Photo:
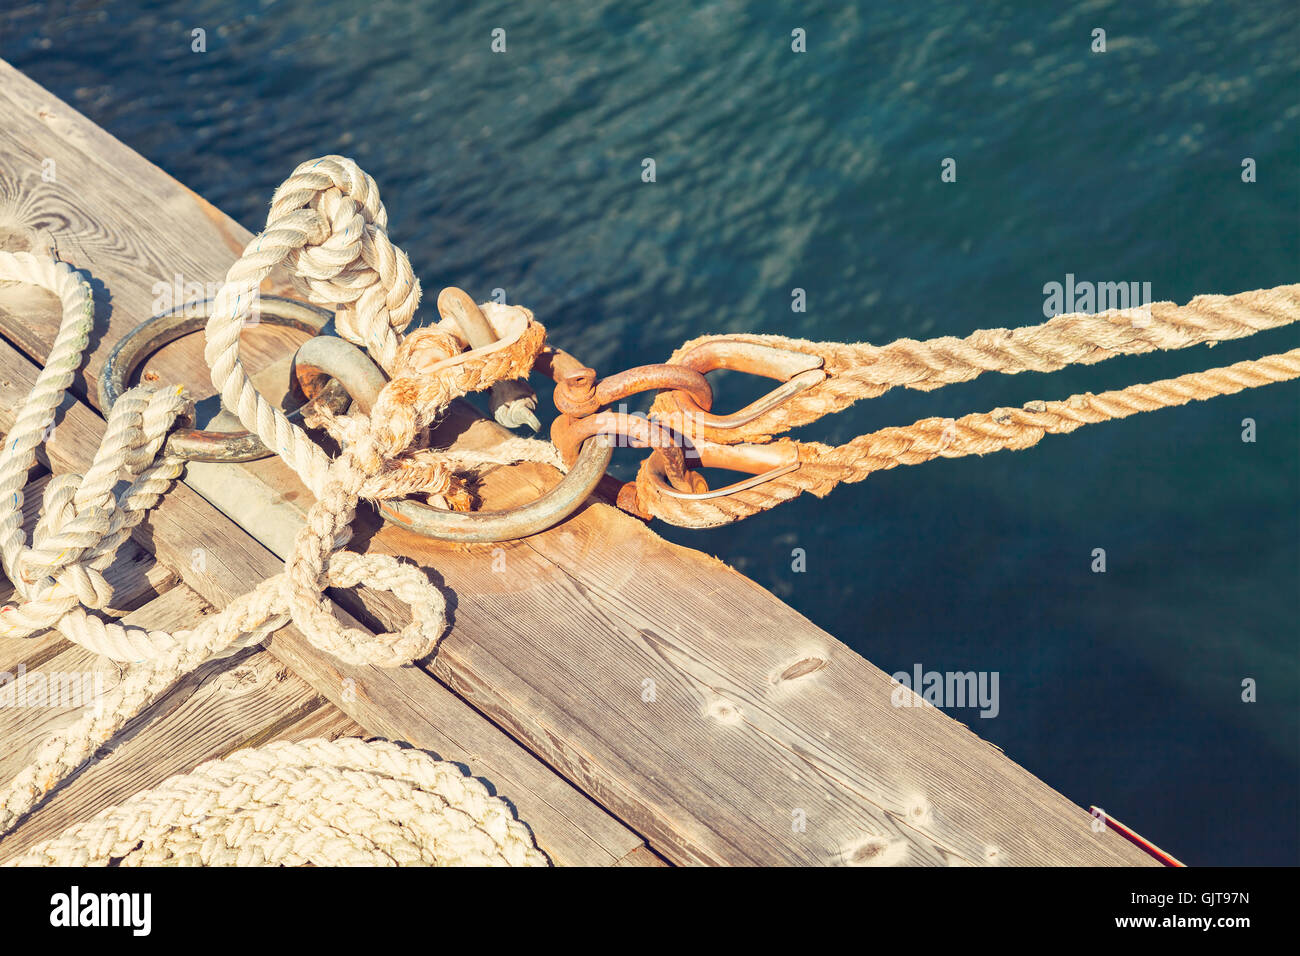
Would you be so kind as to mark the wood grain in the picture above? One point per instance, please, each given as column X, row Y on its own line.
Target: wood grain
column 25, row 726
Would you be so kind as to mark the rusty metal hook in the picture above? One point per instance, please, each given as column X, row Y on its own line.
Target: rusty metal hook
column 763, row 462
column 796, row 371
column 579, row 394
column 584, row 399
column 632, row 431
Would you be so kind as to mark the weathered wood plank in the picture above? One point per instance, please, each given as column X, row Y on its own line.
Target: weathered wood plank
column 218, row 560
column 758, row 718
column 325, row 721
column 641, row 856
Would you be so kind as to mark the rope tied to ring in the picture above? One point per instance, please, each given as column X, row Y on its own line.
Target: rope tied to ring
column 858, row 371
column 328, row 227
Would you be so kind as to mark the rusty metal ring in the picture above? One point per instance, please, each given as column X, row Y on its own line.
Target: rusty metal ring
column 578, row 393
column 341, row 361
column 325, row 359
column 538, row 515
column 762, row 462
column 196, row 444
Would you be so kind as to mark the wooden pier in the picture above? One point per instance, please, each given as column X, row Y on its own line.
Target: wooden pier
column 765, row 740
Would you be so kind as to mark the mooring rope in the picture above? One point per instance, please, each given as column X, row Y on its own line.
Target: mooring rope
column 857, row 371
column 854, row 372
column 823, row 467
column 352, row 801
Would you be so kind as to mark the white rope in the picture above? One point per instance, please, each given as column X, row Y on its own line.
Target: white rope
column 329, row 227
column 320, row 802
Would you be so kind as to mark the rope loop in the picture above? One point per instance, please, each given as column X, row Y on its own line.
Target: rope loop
column 348, row 261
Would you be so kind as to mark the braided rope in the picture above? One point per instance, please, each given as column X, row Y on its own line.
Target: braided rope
column 327, row 803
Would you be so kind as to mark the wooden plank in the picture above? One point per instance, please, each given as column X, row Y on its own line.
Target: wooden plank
column 758, row 717
column 326, row 721
column 642, row 856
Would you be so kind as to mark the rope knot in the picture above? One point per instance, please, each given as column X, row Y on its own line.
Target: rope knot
column 347, row 260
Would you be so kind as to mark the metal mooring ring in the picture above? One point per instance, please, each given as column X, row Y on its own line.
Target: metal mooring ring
column 339, row 361
column 513, row 523
column 197, row 444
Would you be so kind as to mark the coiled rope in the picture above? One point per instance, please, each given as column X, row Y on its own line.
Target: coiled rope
column 328, row 803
